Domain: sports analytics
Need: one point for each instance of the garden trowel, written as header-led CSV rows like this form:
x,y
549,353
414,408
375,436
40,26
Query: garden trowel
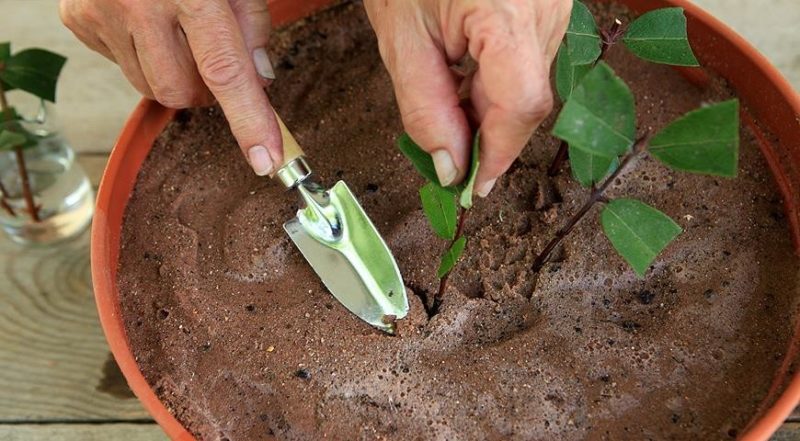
x,y
345,249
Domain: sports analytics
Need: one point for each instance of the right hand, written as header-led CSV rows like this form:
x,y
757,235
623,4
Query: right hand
x,y
185,53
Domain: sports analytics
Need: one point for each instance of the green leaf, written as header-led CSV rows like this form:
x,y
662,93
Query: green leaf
x,y
638,231
421,160
439,205
5,50
35,71
704,141
466,193
589,169
599,117
568,75
660,36
10,140
583,40
450,258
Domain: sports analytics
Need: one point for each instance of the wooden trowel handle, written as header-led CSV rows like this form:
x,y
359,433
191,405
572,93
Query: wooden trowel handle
x,y
291,149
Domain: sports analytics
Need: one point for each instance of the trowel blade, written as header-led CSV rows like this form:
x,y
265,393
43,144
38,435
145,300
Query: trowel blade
x,y
357,267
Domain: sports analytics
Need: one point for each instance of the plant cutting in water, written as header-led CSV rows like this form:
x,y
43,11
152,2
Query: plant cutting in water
x,y
658,36
445,207
34,71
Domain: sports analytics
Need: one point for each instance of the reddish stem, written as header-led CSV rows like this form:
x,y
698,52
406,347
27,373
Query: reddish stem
x,y
4,203
597,195
33,210
23,170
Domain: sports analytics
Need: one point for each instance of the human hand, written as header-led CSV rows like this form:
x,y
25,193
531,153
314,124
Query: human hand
x,y
188,53
514,43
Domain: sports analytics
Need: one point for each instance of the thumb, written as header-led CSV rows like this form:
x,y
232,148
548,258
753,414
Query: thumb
x,y
427,95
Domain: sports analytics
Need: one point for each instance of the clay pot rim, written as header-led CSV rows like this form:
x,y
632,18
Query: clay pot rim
x,y
148,120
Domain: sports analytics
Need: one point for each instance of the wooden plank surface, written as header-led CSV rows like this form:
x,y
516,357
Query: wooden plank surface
x,y
82,432
55,363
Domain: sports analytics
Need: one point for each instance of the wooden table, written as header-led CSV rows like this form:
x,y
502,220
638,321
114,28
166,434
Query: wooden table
x,y
58,380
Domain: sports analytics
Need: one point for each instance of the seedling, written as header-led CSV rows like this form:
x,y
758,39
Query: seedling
x,y
34,71
658,36
598,121
445,207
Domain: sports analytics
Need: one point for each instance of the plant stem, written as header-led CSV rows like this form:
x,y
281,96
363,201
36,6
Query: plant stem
x,y
33,210
561,156
4,203
597,195
610,37
462,219
30,204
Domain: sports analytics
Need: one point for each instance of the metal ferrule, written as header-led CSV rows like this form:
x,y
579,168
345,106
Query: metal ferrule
x,y
294,172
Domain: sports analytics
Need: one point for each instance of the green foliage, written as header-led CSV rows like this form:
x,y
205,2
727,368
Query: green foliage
x,y
439,205
589,169
599,118
660,36
704,141
469,184
638,231
35,71
450,258
598,122
568,75
421,160
583,40
5,51
9,140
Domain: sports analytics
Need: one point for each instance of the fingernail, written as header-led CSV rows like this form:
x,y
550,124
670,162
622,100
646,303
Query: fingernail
x,y
486,187
260,160
262,63
445,167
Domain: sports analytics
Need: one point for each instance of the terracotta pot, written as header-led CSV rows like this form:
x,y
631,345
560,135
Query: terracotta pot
x,y
770,107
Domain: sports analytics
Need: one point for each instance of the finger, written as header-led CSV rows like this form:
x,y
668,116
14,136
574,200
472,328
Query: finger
x,y
123,51
427,95
168,66
510,92
227,69
253,18
78,18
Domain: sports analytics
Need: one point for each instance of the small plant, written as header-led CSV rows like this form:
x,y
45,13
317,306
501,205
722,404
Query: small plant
x,y
597,126
658,36
598,121
445,207
34,71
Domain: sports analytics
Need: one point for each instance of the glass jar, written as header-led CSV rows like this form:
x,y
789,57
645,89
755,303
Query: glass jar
x,y
58,202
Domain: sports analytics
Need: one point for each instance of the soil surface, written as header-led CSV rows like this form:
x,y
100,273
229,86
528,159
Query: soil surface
x,y
238,336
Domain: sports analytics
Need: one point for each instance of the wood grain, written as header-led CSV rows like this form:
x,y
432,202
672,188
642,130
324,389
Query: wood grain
x,y
55,362
82,432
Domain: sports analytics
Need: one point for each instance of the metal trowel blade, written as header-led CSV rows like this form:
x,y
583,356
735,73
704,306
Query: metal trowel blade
x,y
354,263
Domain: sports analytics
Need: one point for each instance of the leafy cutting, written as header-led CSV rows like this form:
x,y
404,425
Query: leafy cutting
x,y
598,123
657,36
446,208
35,71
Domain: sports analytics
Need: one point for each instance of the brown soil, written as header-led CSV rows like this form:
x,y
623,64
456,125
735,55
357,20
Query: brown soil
x,y
237,335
